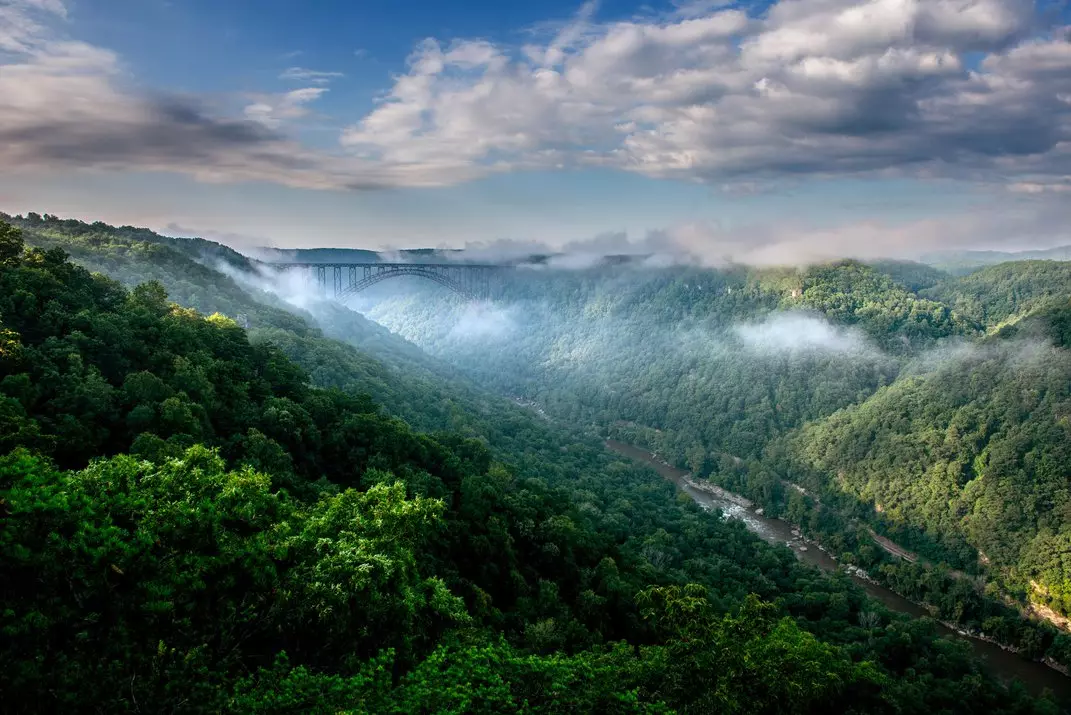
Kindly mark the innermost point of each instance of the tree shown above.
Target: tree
(758, 663)
(11, 244)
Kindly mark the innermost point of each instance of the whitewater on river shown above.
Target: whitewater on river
(1004, 664)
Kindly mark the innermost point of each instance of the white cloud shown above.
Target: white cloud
(818, 87)
(688, 9)
(300, 74)
(68, 106)
(21, 28)
(1056, 185)
(273, 110)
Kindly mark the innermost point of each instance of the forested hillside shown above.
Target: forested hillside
(961, 263)
(937, 418)
(726, 358)
(1006, 292)
(726, 361)
(976, 450)
(190, 524)
(205, 276)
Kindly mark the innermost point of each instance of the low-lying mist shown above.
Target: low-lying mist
(678, 352)
(795, 332)
(462, 325)
(485, 322)
(1022, 354)
(614, 330)
(292, 286)
(782, 243)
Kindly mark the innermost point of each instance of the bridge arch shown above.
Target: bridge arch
(344, 280)
(440, 278)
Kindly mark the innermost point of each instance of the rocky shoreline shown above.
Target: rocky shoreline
(716, 491)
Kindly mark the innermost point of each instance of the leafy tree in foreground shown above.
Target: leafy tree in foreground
(134, 582)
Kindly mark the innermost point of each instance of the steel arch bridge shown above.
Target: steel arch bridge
(472, 281)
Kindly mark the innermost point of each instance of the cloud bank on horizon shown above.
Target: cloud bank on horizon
(973, 91)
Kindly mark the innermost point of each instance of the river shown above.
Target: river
(1004, 664)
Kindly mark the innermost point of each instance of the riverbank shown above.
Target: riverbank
(1036, 675)
(706, 487)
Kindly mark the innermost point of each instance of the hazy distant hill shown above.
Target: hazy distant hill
(913, 276)
(1005, 292)
(961, 262)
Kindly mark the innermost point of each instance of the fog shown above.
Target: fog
(1024, 353)
(645, 347)
(484, 322)
(474, 327)
(609, 327)
(793, 332)
(292, 286)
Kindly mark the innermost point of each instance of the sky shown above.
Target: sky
(769, 132)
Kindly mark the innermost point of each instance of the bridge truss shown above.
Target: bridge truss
(343, 280)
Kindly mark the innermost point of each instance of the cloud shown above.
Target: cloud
(21, 22)
(67, 106)
(797, 332)
(975, 90)
(273, 110)
(300, 74)
(815, 87)
(484, 322)
(1058, 184)
(688, 9)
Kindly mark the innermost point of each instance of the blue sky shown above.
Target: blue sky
(788, 131)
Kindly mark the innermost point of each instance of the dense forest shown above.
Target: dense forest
(218, 500)
(930, 408)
